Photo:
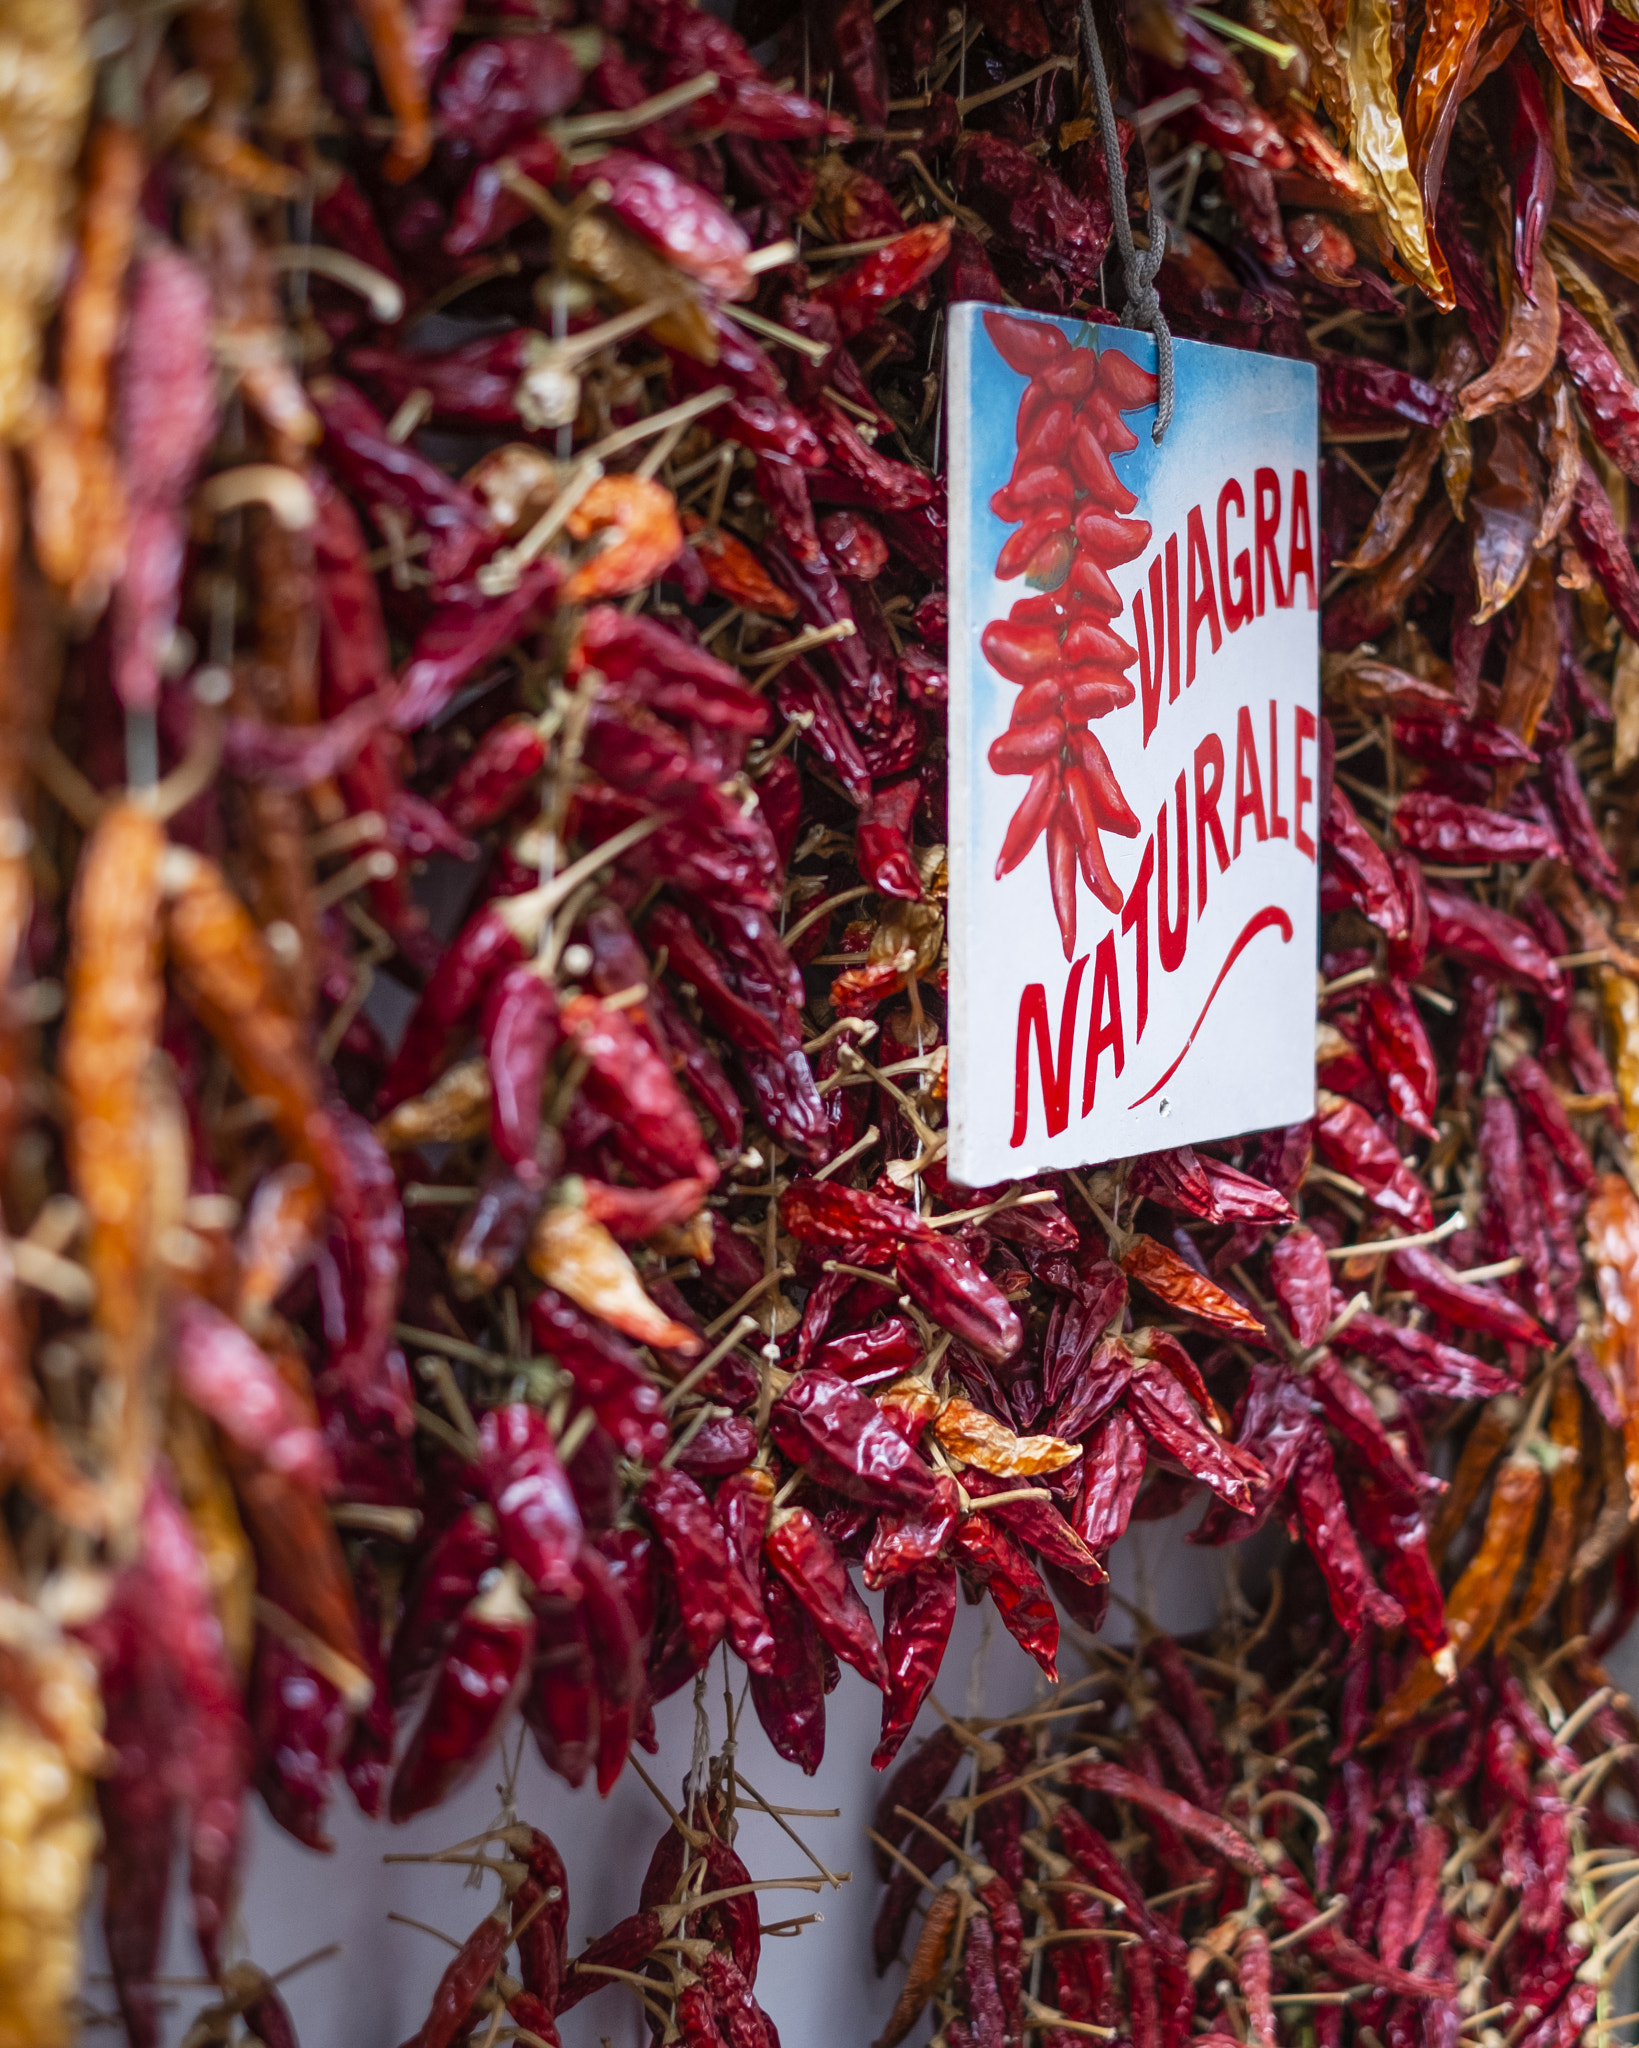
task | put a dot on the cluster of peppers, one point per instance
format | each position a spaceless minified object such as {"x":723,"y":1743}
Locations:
{"x":1230,"y":1839}
{"x":691,"y":1951}
{"x":456,"y":440}
{"x":1060,"y":644}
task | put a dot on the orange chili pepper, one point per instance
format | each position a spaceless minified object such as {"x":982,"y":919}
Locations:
{"x":734,"y":572}
{"x":968,"y":1433}
{"x":1496,"y":1424}
{"x":77,"y":507}
{"x":640,"y":517}
{"x":389,"y":28}
{"x":115,"y":996}
{"x":240,"y":162}
{"x":1476,"y":1603}
{"x":1613,"y":1245}
{"x":927,"y":1960}
{"x":1177,"y":1283}
{"x":279,"y":1231}
{"x":231,"y":982}
{"x":1553,"y":1559}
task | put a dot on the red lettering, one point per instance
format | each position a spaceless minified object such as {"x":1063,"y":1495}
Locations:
{"x":1266,"y":534}
{"x":1171,"y":552}
{"x":1203,"y":599}
{"x":1171,"y":938}
{"x":1054,"y":1069}
{"x":1234,"y":578}
{"x":1300,"y":552}
{"x":1136,"y":917}
{"x":1149,"y":670}
{"x":1248,"y":781}
{"x":1209,"y":754}
{"x":1104,"y":1025}
{"x":1278,"y":825}
{"x":1304,"y":789}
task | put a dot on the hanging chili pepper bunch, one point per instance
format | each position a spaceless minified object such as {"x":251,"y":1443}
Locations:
{"x":1223,"y":1841}
{"x":1061,"y":644}
{"x":691,"y":1951}
{"x":427,"y":443}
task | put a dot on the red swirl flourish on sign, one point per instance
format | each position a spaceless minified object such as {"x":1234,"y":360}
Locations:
{"x":1259,"y":921}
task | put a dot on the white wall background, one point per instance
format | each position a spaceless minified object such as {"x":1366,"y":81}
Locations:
{"x":818,"y":1986}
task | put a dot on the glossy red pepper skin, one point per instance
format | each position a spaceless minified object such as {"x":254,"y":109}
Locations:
{"x":530,"y":1496}
{"x":498,"y":91}
{"x":609,"y":1374}
{"x":918,"y":1612}
{"x":1469,"y":1306}
{"x":465,"y":1976}
{"x":299,"y":1727}
{"x":482,"y":1673}
{"x":940,"y":1278}
{"x":1536,"y":1095}
{"x":1356,"y":1599}
{"x":496,"y":776}
{"x":742,"y":1505}
{"x":847,"y":1443}
{"x":790,"y":1696}
{"x":378,"y":471}
{"x":1447,"y":830}
{"x":445,"y":1581}
{"x":693,"y":1541}
{"x":1349,"y":1140}
{"x":992,"y":1559}
{"x":626,"y":1946}
{"x":484,"y":947}
{"x":798,"y":1549}
{"x":486,"y":209}
{"x":655,"y":1131}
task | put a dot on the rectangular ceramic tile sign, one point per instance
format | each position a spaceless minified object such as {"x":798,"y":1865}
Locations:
{"x":1134,"y":671}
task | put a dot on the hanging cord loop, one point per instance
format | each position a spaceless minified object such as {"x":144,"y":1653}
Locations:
{"x":1143,"y":307}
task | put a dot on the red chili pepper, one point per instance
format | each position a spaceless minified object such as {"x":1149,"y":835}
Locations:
{"x":801,"y":1553}
{"x":743,"y":1502}
{"x":1531,"y":1088}
{"x":609,"y":1375}
{"x":861,"y":291}
{"x":1356,"y":1599}
{"x":1398,"y":1528}
{"x":689,"y":1534}
{"x":519,"y":1030}
{"x":940,"y":1278}
{"x":167,"y":416}
{"x":1493,"y":942}
{"x":1419,"y":1362}
{"x":228,"y":1377}
{"x":673,"y":215}
{"x":996,"y":1563}
{"x":847,"y":1444}
{"x":1114,"y":1467}
{"x":1470,"y":1307}
{"x":534,"y":1505}
{"x":379,"y":471}
{"x":1350,"y":1141}
{"x":1400,"y":1053}
{"x":299,"y":1726}
{"x":482,"y":1673}
{"x":790,"y":1696}
{"x":1351,"y":848}
{"x":1438,"y":825}
{"x":626,"y":1946}
{"x":882,"y":841}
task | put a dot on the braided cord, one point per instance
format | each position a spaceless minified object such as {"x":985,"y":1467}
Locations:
{"x":1143,"y":307}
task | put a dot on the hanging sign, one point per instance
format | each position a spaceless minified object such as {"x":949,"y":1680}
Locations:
{"x":1134,"y":671}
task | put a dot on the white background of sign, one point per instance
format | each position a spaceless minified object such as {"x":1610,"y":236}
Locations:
{"x":1252,"y":1065}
